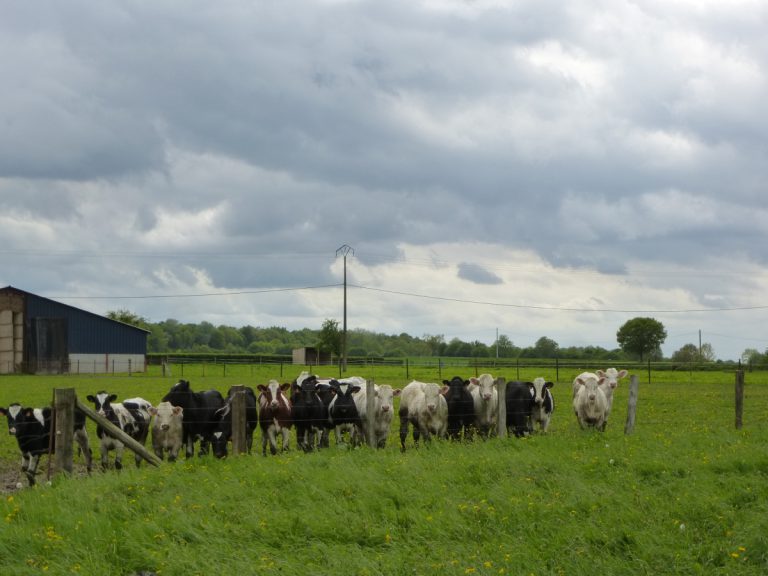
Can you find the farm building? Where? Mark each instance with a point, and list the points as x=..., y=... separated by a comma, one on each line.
x=309, y=356
x=42, y=336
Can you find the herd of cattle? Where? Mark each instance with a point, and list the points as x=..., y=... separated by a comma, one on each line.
x=316, y=408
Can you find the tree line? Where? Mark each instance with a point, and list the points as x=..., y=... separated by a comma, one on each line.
x=637, y=339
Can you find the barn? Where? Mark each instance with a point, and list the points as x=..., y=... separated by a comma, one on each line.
x=309, y=356
x=42, y=336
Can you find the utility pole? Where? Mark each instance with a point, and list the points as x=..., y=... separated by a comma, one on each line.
x=344, y=250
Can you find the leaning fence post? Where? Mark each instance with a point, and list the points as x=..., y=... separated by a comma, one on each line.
x=634, y=386
x=370, y=408
x=64, y=406
x=239, y=440
x=501, y=422
x=739, y=398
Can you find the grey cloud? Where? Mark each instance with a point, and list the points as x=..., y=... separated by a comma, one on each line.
x=477, y=274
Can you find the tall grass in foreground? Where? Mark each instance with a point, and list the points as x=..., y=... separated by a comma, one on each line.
x=685, y=494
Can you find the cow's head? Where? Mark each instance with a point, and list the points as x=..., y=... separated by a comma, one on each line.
x=14, y=414
x=272, y=393
x=612, y=376
x=102, y=401
x=486, y=385
x=539, y=390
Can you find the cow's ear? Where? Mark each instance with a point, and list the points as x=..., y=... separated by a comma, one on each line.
x=3, y=411
x=112, y=397
x=90, y=398
x=531, y=385
x=473, y=381
x=261, y=387
x=29, y=412
x=622, y=373
x=444, y=389
x=600, y=373
x=152, y=410
x=549, y=384
x=446, y=382
x=602, y=381
x=355, y=389
x=396, y=391
x=178, y=410
x=284, y=386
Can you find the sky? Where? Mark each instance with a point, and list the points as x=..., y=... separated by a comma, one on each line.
x=528, y=168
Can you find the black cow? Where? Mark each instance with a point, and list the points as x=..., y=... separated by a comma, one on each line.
x=520, y=403
x=131, y=416
x=32, y=429
x=308, y=413
x=199, y=414
x=342, y=411
x=223, y=432
x=461, y=408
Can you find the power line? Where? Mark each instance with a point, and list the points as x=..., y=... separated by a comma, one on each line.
x=556, y=308
x=201, y=295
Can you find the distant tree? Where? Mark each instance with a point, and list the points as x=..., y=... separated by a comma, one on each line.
x=688, y=353
x=545, y=348
x=505, y=347
x=707, y=352
x=641, y=336
x=751, y=356
x=434, y=342
x=329, y=339
x=128, y=317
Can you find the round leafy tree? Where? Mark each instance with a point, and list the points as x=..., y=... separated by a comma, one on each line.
x=641, y=336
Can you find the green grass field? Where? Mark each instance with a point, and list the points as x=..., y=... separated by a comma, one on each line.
x=686, y=493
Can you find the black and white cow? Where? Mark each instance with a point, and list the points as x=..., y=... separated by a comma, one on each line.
x=32, y=429
x=131, y=416
x=342, y=411
x=543, y=404
x=308, y=412
x=200, y=419
x=223, y=432
x=461, y=408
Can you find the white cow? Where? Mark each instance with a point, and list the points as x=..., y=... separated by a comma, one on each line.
x=167, y=429
x=589, y=402
x=424, y=407
x=383, y=411
x=612, y=377
x=485, y=395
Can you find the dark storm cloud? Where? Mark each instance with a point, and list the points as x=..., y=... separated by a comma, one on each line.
x=477, y=274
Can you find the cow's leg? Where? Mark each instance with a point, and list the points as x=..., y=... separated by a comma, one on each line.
x=189, y=442
x=204, y=443
x=34, y=459
x=119, y=455
x=271, y=434
x=286, y=438
x=104, y=453
x=81, y=437
x=403, y=428
x=25, y=462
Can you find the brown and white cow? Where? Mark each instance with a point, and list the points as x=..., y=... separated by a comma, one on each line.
x=274, y=415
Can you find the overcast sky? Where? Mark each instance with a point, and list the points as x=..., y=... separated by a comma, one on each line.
x=536, y=167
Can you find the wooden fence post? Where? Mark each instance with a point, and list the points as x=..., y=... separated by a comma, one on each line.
x=634, y=386
x=501, y=420
x=64, y=406
x=370, y=408
x=739, y=398
x=239, y=421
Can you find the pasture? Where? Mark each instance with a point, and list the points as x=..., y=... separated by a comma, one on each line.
x=686, y=493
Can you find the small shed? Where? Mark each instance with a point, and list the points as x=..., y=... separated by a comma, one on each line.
x=309, y=356
x=42, y=336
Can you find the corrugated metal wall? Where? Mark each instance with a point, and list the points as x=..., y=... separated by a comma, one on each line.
x=89, y=333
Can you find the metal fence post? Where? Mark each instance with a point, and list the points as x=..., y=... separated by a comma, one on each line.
x=739, y=398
